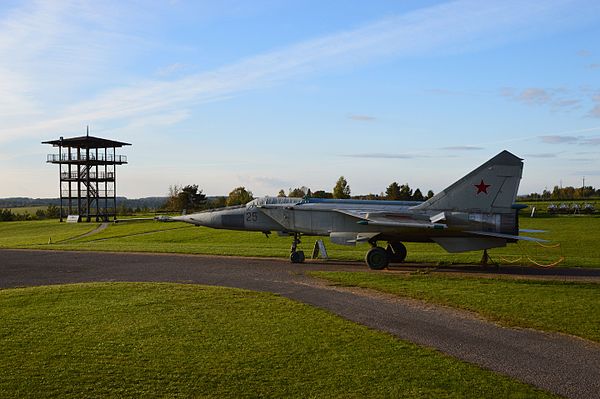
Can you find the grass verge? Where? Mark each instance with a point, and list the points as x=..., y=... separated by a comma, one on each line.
x=141, y=339
x=567, y=307
x=578, y=237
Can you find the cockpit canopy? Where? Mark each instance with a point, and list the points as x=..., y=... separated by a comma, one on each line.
x=274, y=201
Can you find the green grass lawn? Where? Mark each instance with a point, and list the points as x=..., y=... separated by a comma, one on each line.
x=578, y=237
x=34, y=233
x=156, y=340
x=567, y=307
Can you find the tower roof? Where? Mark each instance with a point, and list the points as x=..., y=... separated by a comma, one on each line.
x=85, y=142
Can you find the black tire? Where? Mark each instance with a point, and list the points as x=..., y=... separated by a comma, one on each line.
x=297, y=257
x=396, y=251
x=377, y=258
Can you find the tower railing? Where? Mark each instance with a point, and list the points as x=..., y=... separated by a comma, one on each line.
x=92, y=175
x=84, y=158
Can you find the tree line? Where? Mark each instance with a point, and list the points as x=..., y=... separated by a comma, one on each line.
x=190, y=198
x=564, y=193
x=341, y=190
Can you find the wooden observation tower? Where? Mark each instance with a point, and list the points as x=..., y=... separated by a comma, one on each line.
x=87, y=171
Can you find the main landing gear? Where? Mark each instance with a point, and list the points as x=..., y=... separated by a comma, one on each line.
x=296, y=256
x=378, y=258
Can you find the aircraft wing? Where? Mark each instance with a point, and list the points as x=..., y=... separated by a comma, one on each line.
x=389, y=220
x=506, y=236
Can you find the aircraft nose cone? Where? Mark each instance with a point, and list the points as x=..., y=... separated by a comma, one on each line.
x=204, y=219
x=224, y=218
x=199, y=219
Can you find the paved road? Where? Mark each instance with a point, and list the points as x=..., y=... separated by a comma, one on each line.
x=564, y=365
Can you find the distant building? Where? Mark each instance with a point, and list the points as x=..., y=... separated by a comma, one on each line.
x=87, y=171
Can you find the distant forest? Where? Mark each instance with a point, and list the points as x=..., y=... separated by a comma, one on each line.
x=122, y=202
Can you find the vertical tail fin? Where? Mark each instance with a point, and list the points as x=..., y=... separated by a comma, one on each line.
x=492, y=187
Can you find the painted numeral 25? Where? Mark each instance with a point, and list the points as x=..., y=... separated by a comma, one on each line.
x=251, y=217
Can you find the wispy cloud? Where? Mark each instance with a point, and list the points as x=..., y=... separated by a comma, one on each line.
x=59, y=34
x=590, y=141
x=559, y=139
x=534, y=95
x=572, y=104
x=557, y=99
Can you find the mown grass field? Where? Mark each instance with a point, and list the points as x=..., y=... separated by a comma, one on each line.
x=156, y=340
x=567, y=307
x=578, y=237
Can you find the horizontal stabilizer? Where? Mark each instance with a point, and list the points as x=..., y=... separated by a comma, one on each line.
x=506, y=236
x=464, y=244
x=532, y=231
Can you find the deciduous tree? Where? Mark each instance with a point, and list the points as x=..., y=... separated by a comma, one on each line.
x=188, y=197
x=239, y=196
x=341, y=189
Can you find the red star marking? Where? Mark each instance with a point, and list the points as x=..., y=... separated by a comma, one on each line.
x=482, y=187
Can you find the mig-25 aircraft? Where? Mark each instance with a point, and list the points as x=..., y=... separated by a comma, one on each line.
x=477, y=212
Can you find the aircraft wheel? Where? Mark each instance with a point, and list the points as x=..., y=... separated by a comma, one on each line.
x=396, y=251
x=297, y=257
x=377, y=258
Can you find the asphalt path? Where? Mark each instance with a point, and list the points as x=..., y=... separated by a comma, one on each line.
x=561, y=364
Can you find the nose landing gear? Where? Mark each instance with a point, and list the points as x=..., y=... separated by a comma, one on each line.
x=296, y=256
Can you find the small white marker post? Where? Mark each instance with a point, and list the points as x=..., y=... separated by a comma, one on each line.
x=532, y=211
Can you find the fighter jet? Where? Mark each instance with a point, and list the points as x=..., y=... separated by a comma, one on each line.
x=478, y=212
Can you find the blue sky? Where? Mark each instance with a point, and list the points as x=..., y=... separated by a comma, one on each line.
x=278, y=94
